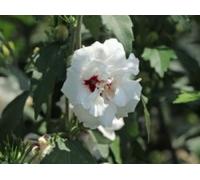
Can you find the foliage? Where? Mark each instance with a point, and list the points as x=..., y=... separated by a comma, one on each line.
x=159, y=58
x=186, y=97
x=124, y=33
x=34, y=54
x=15, y=152
x=68, y=152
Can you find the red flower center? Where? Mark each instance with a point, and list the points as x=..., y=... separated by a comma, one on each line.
x=91, y=83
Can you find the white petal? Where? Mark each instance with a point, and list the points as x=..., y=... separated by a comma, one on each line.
x=132, y=89
x=117, y=124
x=130, y=107
x=108, y=133
x=133, y=64
x=108, y=116
x=94, y=103
x=115, y=50
x=95, y=68
x=73, y=88
x=120, y=98
x=70, y=86
x=81, y=58
x=125, y=68
x=84, y=116
x=100, y=52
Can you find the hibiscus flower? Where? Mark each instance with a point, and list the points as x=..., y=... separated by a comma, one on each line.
x=99, y=84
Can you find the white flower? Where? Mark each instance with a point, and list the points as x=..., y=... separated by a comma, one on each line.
x=98, y=84
x=109, y=132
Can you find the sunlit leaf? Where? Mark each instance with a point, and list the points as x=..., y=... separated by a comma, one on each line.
x=159, y=58
x=194, y=145
x=100, y=143
x=186, y=97
x=115, y=148
x=94, y=24
x=72, y=152
x=121, y=27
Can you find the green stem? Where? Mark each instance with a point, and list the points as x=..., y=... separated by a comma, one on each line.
x=76, y=39
x=78, y=32
x=164, y=118
x=76, y=44
x=49, y=108
x=67, y=118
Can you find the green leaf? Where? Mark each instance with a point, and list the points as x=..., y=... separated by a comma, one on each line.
x=103, y=150
x=182, y=23
x=159, y=58
x=99, y=137
x=12, y=114
x=70, y=152
x=100, y=143
x=121, y=27
x=43, y=89
x=133, y=129
x=146, y=116
x=115, y=148
x=194, y=145
x=93, y=24
x=186, y=97
x=61, y=144
x=51, y=63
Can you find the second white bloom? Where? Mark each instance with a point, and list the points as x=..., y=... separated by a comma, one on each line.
x=99, y=84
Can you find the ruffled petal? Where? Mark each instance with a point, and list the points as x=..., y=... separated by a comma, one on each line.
x=98, y=85
x=108, y=133
x=130, y=107
x=81, y=58
x=132, y=89
x=117, y=124
x=108, y=116
x=120, y=98
x=115, y=50
x=94, y=103
x=85, y=117
x=133, y=64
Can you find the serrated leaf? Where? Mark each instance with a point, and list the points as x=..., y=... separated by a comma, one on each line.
x=146, y=116
x=12, y=114
x=115, y=148
x=186, y=97
x=71, y=153
x=61, y=144
x=93, y=24
x=159, y=58
x=121, y=27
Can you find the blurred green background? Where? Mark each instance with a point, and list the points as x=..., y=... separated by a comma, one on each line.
x=169, y=51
